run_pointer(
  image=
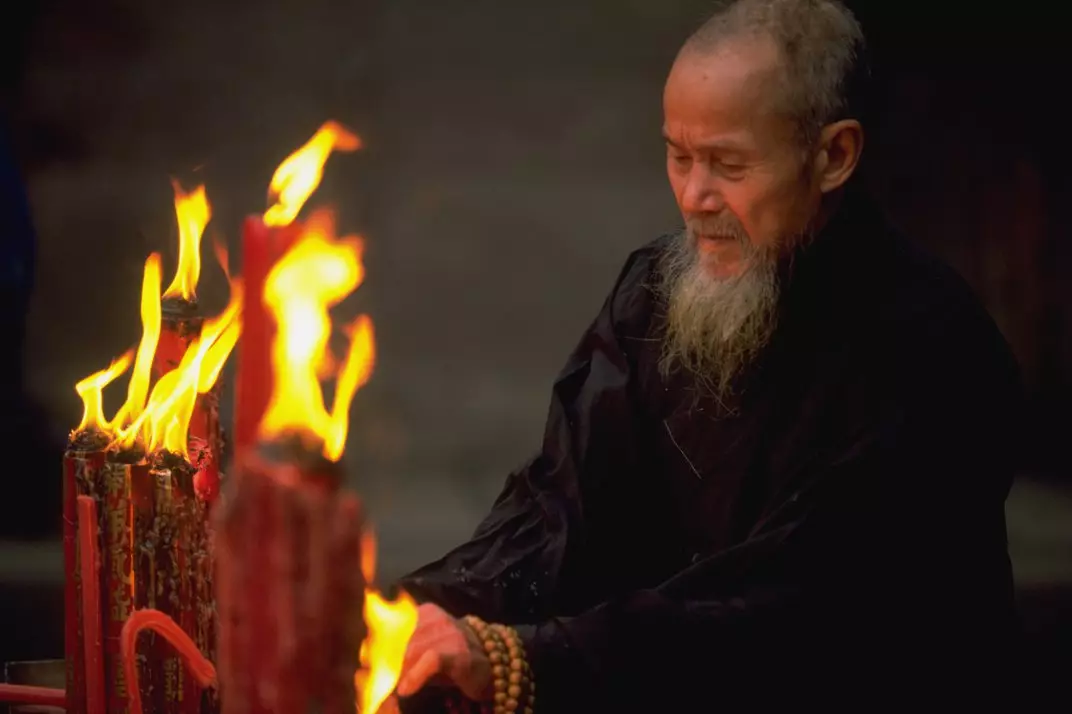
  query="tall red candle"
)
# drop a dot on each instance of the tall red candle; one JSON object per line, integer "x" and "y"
{"x": 181, "y": 322}
{"x": 117, "y": 566}
{"x": 92, "y": 642}
{"x": 262, "y": 246}
{"x": 81, "y": 463}
{"x": 264, "y": 241}
{"x": 289, "y": 585}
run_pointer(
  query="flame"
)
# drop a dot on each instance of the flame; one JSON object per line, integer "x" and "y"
{"x": 368, "y": 556}
{"x": 138, "y": 388}
{"x": 300, "y": 173}
{"x": 390, "y": 625}
{"x": 165, "y": 421}
{"x": 193, "y": 213}
{"x": 354, "y": 374}
{"x": 315, "y": 274}
{"x": 91, "y": 390}
{"x": 222, "y": 257}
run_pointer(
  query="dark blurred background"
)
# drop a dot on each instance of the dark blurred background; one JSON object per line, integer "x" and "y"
{"x": 512, "y": 160}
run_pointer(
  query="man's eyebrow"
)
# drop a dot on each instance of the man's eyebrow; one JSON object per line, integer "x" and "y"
{"x": 720, "y": 145}
{"x": 668, "y": 140}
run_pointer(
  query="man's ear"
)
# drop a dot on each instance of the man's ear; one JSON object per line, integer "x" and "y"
{"x": 840, "y": 146}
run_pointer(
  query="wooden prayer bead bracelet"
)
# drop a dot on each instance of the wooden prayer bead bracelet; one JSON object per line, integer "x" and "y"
{"x": 515, "y": 689}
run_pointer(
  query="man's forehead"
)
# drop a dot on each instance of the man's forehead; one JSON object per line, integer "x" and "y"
{"x": 718, "y": 99}
{"x": 735, "y": 76}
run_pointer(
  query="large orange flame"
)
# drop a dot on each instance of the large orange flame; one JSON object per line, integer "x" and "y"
{"x": 300, "y": 173}
{"x": 165, "y": 421}
{"x": 315, "y": 274}
{"x": 91, "y": 390}
{"x": 193, "y": 213}
{"x": 390, "y": 625}
{"x": 141, "y": 377}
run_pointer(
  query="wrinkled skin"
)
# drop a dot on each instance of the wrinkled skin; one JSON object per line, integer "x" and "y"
{"x": 737, "y": 171}
{"x": 445, "y": 650}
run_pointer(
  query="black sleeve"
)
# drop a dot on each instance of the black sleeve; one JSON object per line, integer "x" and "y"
{"x": 885, "y": 573}
{"x": 512, "y": 569}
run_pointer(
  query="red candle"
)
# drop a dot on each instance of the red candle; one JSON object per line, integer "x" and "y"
{"x": 180, "y": 325}
{"x": 24, "y": 694}
{"x": 207, "y": 470}
{"x": 181, "y": 322}
{"x": 81, "y": 463}
{"x": 264, "y": 241}
{"x": 262, "y": 246}
{"x": 289, "y": 585}
{"x": 198, "y": 618}
{"x": 93, "y": 645}
{"x": 117, "y": 568}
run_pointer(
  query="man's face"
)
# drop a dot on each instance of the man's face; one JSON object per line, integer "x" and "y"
{"x": 739, "y": 177}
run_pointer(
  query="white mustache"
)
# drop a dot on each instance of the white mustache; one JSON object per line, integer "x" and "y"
{"x": 716, "y": 226}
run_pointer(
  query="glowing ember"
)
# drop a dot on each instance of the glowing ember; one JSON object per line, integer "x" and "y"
{"x": 91, "y": 390}
{"x": 193, "y": 213}
{"x": 390, "y": 626}
{"x": 315, "y": 274}
{"x": 300, "y": 173}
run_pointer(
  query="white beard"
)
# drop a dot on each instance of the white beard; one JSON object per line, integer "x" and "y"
{"x": 716, "y": 327}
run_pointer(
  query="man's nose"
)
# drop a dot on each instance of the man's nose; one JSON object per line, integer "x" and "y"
{"x": 701, "y": 194}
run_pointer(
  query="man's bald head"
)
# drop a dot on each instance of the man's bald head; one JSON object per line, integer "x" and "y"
{"x": 821, "y": 48}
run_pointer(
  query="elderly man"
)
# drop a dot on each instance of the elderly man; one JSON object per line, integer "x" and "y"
{"x": 775, "y": 466}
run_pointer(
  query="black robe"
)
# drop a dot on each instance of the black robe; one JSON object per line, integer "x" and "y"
{"x": 841, "y": 535}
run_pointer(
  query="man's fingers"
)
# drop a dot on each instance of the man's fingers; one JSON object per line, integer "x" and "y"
{"x": 425, "y": 668}
{"x": 427, "y": 636}
{"x": 415, "y": 648}
{"x": 389, "y": 706}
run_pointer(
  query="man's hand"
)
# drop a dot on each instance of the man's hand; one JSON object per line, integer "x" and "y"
{"x": 443, "y": 649}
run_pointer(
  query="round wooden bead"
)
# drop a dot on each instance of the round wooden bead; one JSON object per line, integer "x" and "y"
{"x": 500, "y": 685}
{"x": 498, "y": 670}
{"x": 495, "y": 657}
{"x": 489, "y": 646}
{"x": 515, "y": 677}
{"x": 500, "y": 697}
{"x": 511, "y": 705}
{"x": 515, "y": 664}
{"x": 513, "y": 691}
